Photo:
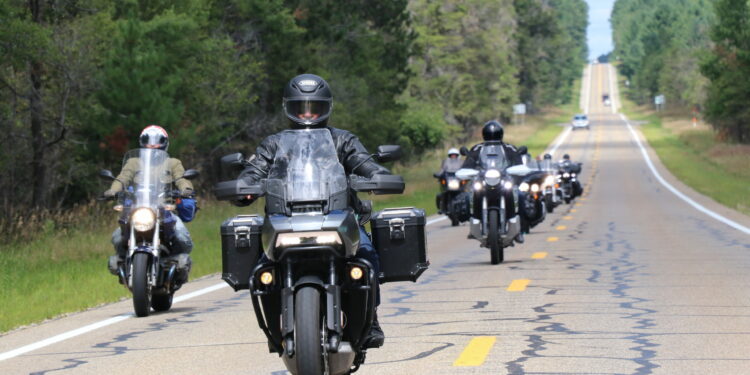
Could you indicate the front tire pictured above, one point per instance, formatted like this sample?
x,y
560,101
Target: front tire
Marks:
x,y
308,342
548,203
141,286
493,238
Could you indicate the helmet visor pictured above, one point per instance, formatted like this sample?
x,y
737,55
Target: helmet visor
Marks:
x,y
307,111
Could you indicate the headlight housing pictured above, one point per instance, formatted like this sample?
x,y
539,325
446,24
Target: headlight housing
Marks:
x,y
534,188
507,185
478,186
549,181
308,238
523,187
453,184
492,176
566,175
143,219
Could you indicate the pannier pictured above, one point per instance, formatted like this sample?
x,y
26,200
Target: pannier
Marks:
x,y
398,235
240,249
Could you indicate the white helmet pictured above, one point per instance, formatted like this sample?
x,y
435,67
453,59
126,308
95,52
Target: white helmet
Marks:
x,y
154,136
453,151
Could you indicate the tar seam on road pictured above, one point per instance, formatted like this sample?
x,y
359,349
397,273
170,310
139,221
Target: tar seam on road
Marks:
x,y
107,322
674,190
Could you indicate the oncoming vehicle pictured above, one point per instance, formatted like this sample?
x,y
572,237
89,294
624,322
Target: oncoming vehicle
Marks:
x,y
606,100
581,121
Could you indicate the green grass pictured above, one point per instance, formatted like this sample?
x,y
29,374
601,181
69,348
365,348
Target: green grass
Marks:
x,y
695,156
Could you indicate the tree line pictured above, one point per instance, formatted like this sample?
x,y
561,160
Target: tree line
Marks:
x,y
695,52
79,79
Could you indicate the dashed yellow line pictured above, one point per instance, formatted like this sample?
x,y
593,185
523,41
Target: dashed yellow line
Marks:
x,y
539,255
518,285
561,227
572,210
579,204
476,352
567,217
552,239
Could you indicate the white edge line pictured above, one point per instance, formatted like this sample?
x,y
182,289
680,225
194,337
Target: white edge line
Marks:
x,y
678,193
107,322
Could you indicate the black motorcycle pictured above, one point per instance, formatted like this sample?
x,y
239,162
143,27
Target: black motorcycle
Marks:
x,y
530,182
148,222
495,221
313,298
569,183
453,200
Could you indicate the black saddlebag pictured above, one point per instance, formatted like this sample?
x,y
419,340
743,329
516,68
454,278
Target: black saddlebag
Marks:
x,y
398,235
240,249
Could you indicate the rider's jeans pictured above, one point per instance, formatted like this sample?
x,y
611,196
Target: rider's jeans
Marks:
x,y
181,241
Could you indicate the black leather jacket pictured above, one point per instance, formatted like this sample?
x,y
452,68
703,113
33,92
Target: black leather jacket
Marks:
x,y
472,160
351,154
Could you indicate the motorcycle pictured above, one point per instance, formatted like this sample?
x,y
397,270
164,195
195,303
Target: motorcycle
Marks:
x,y
453,200
553,195
530,181
495,222
569,184
313,298
149,271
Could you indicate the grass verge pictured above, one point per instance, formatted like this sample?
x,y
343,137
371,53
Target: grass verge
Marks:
x,y
696,157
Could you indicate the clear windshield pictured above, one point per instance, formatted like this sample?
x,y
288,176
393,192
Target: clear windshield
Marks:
x,y
492,156
307,163
151,181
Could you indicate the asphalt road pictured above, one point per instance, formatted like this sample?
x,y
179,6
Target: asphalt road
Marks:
x,y
630,279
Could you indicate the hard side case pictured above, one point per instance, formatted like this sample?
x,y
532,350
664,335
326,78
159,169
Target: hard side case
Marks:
x,y
240,249
398,235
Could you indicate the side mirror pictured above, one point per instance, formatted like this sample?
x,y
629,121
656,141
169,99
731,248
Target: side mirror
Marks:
x,y
464,151
231,165
388,153
106,174
436,175
523,150
466,173
190,174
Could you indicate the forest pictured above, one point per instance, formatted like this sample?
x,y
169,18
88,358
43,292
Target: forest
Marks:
x,y
695,52
79,79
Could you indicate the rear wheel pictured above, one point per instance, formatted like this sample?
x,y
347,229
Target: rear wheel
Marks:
x,y
162,302
308,341
493,238
141,286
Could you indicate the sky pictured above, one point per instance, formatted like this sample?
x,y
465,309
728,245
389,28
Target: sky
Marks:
x,y
599,31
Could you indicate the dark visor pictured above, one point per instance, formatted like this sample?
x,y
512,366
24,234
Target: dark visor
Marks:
x,y
307,110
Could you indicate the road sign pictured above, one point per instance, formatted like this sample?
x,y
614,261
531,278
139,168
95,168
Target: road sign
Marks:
x,y
519,109
659,100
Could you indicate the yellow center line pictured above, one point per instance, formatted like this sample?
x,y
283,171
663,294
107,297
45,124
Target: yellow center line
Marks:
x,y
579,204
476,352
561,227
552,239
539,255
572,210
567,217
518,285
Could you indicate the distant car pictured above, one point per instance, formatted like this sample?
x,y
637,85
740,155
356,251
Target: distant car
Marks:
x,y
606,100
581,121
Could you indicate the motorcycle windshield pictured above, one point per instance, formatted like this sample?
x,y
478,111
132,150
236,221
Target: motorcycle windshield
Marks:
x,y
492,156
151,180
307,164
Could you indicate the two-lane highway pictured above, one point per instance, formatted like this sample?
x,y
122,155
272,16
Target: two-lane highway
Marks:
x,y
629,279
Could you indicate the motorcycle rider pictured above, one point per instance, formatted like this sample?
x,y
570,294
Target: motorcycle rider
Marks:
x,y
567,165
307,103
450,165
153,137
492,132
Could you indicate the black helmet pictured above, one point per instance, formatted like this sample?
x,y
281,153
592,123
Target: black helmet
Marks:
x,y
566,157
492,131
307,101
547,157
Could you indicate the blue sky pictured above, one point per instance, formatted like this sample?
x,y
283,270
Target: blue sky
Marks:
x,y
599,32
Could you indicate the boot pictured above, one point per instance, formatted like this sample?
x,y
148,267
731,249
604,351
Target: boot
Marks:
x,y
519,238
115,261
376,337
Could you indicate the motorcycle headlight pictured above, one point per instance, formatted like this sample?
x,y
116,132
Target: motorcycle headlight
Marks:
x,y
478,186
308,238
535,188
492,176
566,175
573,174
454,184
523,187
507,185
143,219
549,181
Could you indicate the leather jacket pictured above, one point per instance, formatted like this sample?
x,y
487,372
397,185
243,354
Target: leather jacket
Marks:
x,y
472,160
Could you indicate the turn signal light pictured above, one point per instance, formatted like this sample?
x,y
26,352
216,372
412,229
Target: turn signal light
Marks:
x,y
266,278
356,273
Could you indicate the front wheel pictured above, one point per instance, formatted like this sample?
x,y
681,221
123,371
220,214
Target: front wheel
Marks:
x,y
493,238
548,203
141,286
308,341
162,302
454,220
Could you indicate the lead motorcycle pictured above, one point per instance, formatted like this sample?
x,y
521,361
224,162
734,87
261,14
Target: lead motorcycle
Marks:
x,y
313,298
147,220
495,222
453,201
